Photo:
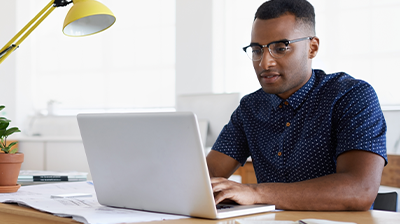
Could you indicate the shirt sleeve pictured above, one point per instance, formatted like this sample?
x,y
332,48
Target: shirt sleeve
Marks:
x,y
232,139
360,121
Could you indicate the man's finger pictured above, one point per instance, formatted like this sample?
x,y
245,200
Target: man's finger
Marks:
x,y
222,195
220,186
217,179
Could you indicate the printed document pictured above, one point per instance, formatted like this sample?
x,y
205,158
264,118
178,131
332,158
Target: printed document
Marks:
x,y
81,209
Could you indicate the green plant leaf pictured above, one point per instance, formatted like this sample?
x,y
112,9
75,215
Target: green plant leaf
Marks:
x,y
6,149
4,125
2,107
11,131
4,120
2,133
13,151
12,144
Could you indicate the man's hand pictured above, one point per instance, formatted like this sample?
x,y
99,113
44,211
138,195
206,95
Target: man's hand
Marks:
x,y
244,194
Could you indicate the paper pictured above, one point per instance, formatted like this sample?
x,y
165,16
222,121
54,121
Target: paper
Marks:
x,y
85,210
303,221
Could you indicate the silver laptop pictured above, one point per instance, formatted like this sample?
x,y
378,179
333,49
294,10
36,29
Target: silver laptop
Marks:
x,y
152,162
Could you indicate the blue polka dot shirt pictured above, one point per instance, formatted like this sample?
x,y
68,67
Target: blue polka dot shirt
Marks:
x,y
300,138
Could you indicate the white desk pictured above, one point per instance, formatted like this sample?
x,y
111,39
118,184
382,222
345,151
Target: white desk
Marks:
x,y
21,215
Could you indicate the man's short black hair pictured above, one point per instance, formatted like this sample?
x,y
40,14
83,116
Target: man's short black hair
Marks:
x,y
301,9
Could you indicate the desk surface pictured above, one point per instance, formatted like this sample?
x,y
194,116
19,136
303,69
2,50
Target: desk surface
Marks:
x,y
15,214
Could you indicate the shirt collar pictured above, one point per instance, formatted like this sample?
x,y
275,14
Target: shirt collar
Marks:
x,y
275,101
297,98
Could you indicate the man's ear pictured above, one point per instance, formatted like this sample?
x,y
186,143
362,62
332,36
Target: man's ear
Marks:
x,y
314,46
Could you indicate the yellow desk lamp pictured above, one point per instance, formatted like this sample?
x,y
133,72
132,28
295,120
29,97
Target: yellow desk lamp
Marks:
x,y
86,17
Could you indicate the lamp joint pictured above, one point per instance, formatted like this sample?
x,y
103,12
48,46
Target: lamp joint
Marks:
x,y
13,46
61,3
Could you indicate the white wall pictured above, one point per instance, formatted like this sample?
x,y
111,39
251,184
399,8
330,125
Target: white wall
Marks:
x,y
15,80
8,79
393,131
193,46
200,47
195,71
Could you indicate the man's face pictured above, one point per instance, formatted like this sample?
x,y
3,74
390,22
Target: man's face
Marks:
x,y
285,75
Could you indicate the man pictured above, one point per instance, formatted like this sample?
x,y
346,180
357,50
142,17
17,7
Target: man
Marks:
x,y
317,141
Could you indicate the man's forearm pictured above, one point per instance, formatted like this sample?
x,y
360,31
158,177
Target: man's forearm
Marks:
x,y
331,192
354,186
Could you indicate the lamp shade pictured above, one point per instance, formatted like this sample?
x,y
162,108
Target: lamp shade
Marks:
x,y
87,17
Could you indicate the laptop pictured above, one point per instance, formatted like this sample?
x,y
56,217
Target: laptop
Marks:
x,y
152,162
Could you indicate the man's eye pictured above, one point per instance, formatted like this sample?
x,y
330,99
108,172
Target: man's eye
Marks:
x,y
257,51
280,49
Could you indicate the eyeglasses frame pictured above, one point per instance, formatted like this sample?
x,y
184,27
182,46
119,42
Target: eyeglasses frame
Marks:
x,y
286,42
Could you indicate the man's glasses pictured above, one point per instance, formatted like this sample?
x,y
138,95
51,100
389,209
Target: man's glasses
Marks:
x,y
277,49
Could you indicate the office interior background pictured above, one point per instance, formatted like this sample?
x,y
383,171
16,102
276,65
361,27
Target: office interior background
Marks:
x,y
160,49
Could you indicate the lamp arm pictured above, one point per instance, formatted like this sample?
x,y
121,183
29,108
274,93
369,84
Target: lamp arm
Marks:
x,y
28,28
2,53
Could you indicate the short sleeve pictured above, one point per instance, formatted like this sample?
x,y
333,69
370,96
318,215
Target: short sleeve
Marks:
x,y
232,139
360,121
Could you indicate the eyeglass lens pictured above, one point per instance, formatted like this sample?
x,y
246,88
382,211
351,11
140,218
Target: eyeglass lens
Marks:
x,y
277,50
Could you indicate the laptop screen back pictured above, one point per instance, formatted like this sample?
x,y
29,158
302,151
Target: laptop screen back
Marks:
x,y
148,161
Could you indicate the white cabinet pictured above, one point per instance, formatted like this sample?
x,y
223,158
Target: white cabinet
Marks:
x,y
66,156
53,154
33,155
53,143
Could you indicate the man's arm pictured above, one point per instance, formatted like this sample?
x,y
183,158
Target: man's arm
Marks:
x,y
221,165
354,186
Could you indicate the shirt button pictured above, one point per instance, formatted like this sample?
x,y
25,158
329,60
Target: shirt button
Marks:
x,y
279,153
286,103
280,106
287,124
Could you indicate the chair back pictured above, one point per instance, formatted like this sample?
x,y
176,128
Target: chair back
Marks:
x,y
386,201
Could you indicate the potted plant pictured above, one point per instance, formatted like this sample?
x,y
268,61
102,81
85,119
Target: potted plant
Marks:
x,y
10,158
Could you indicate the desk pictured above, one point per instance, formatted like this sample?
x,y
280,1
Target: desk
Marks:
x,y
15,214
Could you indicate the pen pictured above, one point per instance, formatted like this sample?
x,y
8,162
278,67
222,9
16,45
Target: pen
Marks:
x,y
73,195
302,222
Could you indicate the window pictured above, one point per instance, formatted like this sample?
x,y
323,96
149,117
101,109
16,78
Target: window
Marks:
x,y
359,37
130,66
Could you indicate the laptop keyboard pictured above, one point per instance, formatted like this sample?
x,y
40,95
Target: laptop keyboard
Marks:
x,y
219,207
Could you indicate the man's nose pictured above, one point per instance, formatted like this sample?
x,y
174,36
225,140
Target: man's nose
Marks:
x,y
267,60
